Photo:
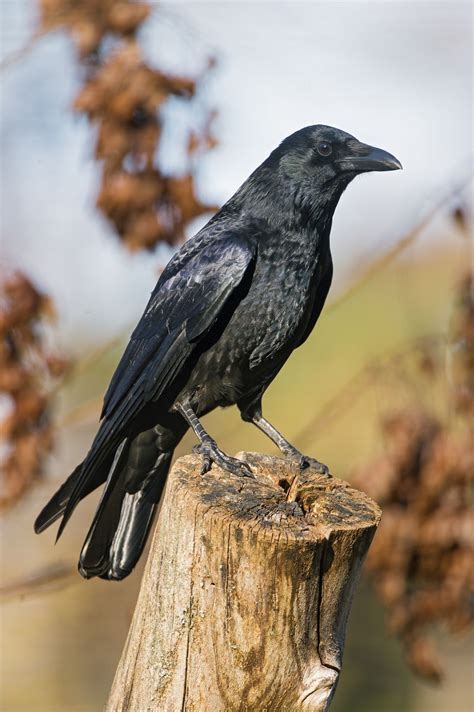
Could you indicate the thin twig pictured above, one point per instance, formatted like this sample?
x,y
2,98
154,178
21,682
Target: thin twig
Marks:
x,y
81,414
18,54
95,355
350,393
401,245
50,579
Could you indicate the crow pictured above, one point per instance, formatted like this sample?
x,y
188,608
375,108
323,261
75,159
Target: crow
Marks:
x,y
225,315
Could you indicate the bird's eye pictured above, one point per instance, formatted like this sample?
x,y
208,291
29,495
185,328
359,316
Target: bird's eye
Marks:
x,y
324,148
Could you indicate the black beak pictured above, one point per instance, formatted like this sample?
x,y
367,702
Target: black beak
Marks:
x,y
365,158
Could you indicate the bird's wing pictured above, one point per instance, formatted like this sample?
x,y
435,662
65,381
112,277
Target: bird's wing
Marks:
x,y
181,311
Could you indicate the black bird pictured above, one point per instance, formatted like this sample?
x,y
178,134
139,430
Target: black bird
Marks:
x,y
225,315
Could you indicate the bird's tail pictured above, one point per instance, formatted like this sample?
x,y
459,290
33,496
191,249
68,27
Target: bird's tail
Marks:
x,y
135,475
58,502
122,521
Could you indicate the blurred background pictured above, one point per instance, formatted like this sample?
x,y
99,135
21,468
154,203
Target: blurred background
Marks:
x,y
124,126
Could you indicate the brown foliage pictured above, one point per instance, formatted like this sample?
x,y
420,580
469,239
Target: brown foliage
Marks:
x,y
90,20
123,97
421,559
27,372
461,364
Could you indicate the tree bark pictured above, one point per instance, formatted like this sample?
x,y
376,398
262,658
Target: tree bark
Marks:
x,y
246,593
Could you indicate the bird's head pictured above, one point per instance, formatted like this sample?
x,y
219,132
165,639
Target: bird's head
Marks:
x,y
325,158
303,178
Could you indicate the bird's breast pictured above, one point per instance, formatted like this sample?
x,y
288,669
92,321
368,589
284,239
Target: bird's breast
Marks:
x,y
262,332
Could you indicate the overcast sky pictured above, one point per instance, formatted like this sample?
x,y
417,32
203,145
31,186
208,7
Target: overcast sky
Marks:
x,y
397,75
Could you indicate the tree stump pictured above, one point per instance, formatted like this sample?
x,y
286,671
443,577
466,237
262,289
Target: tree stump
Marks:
x,y
246,592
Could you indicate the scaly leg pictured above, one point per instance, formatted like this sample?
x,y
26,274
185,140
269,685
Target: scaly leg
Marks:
x,y
254,415
208,447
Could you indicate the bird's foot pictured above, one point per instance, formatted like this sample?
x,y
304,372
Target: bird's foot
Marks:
x,y
211,453
304,462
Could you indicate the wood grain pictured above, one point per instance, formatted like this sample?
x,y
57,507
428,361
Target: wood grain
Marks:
x,y
246,592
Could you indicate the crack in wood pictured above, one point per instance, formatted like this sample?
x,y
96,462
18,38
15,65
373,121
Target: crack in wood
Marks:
x,y
268,634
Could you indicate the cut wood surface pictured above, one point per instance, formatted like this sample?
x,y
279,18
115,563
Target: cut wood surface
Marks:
x,y
246,592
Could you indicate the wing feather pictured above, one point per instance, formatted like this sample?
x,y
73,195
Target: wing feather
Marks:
x,y
191,298
180,312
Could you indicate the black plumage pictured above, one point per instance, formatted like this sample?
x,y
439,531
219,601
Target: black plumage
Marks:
x,y
225,315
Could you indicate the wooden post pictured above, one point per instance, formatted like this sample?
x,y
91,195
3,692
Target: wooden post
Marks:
x,y
246,593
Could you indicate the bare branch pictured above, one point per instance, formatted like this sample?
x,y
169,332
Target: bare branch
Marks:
x,y
47,580
350,393
402,243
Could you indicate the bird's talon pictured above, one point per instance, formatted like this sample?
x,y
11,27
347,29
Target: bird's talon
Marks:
x,y
211,453
304,462
246,470
320,467
206,465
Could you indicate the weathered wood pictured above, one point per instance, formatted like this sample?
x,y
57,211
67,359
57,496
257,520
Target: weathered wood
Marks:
x,y
246,593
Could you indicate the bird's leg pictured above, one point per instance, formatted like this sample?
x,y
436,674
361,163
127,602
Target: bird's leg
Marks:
x,y
254,415
208,447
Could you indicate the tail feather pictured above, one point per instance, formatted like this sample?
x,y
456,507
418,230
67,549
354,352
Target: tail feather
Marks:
x,y
104,449
122,522
56,506
135,473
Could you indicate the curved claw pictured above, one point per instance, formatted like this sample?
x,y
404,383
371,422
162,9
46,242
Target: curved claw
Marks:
x,y
320,467
304,462
206,464
211,453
